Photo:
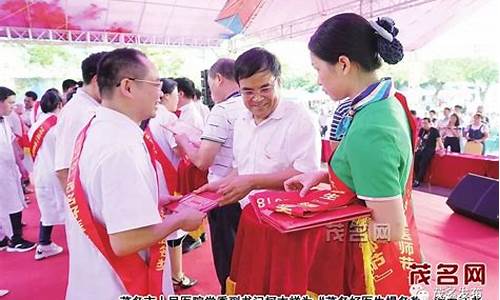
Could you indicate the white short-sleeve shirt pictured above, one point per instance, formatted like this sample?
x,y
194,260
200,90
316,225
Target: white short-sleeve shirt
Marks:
x,y
289,137
191,115
120,183
220,129
16,123
73,117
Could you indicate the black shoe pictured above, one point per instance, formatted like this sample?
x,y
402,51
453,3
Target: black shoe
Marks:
x,y
21,246
4,243
416,183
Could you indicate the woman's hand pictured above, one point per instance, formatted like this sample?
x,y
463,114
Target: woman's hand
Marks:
x,y
304,182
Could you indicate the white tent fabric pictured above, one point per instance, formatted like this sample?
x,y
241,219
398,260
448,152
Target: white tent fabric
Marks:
x,y
193,22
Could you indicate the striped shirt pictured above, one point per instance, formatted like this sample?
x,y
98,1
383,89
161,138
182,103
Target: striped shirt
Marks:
x,y
340,112
219,129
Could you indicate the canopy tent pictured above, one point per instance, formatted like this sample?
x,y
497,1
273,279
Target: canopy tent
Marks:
x,y
207,23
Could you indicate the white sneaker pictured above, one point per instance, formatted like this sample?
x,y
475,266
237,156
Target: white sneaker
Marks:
x,y
44,251
3,292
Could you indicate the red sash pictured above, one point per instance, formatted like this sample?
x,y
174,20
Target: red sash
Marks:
x,y
137,276
169,171
39,134
389,263
36,110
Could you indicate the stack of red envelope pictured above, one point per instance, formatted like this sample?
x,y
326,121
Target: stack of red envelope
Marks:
x,y
288,212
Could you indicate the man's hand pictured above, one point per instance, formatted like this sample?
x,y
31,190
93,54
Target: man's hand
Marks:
x,y
190,218
209,187
235,190
170,198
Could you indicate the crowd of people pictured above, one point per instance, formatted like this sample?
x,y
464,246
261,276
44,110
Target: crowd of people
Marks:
x,y
451,133
109,144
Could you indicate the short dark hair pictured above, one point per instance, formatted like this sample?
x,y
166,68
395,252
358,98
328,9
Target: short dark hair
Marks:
x,y
5,93
447,108
31,94
457,122
223,66
89,66
50,101
427,119
67,84
117,65
352,35
254,61
186,86
458,106
432,111
168,85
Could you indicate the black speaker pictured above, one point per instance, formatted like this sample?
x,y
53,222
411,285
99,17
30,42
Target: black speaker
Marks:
x,y
476,197
205,90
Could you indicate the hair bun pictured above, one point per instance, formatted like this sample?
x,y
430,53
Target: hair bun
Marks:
x,y
388,47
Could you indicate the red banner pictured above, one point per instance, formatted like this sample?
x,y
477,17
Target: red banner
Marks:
x,y
157,155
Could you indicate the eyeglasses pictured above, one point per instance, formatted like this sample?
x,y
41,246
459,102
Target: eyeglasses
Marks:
x,y
263,92
156,84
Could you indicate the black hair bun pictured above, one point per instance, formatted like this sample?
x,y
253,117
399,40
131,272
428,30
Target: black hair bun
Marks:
x,y
391,50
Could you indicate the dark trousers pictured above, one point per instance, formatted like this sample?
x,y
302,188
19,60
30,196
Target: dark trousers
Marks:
x,y
422,161
453,142
17,227
45,235
223,223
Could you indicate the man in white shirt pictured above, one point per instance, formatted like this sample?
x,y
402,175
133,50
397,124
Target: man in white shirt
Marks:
x,y
30,98
119,181
274,140
216,154
189,113
11,193
75,115
68,87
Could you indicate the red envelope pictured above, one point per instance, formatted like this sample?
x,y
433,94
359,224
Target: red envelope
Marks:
x,y
203,202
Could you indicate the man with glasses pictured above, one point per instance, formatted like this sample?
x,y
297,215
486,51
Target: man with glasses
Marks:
x,y
273,139
115,233
75,115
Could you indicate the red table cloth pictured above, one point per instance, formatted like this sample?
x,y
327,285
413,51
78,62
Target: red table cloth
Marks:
x,y
447,170
266,261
